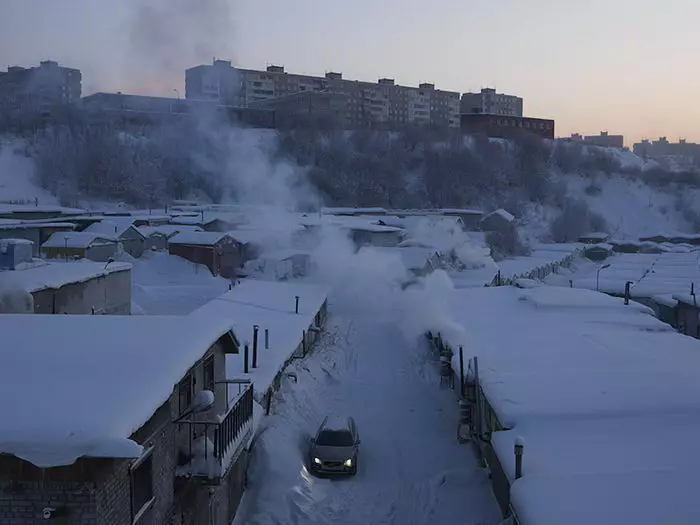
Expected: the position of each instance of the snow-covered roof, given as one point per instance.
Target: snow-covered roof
(111, 227)
(503, 214)
(77, 240)
(461, 211)
(271, 305)
(571, 373)
(168, 229)
(24, 208)
(97, 378)
(27, 225)
(56, 274)
(198, 238)
(651, 274)
(352, 211)
(623, 471)
(5, 242)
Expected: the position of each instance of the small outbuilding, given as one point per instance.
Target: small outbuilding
(131, 239)
(81, 245)
(218, 251)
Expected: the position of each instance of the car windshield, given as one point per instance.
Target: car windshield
(335, 438)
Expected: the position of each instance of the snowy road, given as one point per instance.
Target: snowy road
(411, 469)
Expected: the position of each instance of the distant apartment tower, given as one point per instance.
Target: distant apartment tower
(681, 153)
(220, 83)
(604, 140)
(491, 103)
(30, 90)
(383, 104)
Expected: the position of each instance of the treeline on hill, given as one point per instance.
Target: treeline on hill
(417, 168)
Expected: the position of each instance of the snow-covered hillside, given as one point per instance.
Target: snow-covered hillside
(629, 206)
(17, 182)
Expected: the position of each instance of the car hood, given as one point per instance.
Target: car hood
(325, 453)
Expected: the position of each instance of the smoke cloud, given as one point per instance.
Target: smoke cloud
(169, 36)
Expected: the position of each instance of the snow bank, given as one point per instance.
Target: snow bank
(104, 385)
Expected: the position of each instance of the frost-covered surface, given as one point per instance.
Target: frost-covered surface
(89, 396)
(270, 305)
(411, 468)
(651, 274)
(595, 388)
(43, 275)
(164, 284)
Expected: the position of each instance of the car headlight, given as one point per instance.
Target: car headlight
(348, 463)
(317, 461)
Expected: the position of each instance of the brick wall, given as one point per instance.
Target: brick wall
(26, 490)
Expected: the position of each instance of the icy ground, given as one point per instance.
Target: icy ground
(411, 468)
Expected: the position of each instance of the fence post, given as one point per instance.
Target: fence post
(461, 371)
(267, 339)
(255, 345)
(477, 399)
(245, 358)
(627, 292)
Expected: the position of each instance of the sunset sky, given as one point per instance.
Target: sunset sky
(626, 66)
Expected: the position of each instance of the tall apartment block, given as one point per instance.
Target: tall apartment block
(27, 90)
(489, 102)
(383, 104)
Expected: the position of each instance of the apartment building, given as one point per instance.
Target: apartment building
(220, 83)
(489, 102)
(383, 105)
(681, 154)
(31, 90)
(604, 140)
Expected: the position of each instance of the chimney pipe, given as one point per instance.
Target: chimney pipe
(519, 445)
(255, 346)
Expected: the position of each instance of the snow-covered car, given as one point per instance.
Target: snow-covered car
(335, 448)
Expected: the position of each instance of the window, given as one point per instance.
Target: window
(142, 485)
(208, 373)
(335, 438)
(185, 391)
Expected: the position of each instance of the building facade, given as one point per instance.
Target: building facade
(31, 90)
(383, 104)
(175, 480)
(604, 140)
(491, 103)
(681, 153)
(497, 126)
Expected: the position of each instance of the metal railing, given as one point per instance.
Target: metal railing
(227, 432)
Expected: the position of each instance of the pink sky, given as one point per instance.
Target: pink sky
(626, 66)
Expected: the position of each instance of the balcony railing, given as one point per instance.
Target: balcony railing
(211, 451)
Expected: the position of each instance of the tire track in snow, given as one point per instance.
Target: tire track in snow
(362, 367)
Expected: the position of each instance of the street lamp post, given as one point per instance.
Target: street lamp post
(597, 276)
